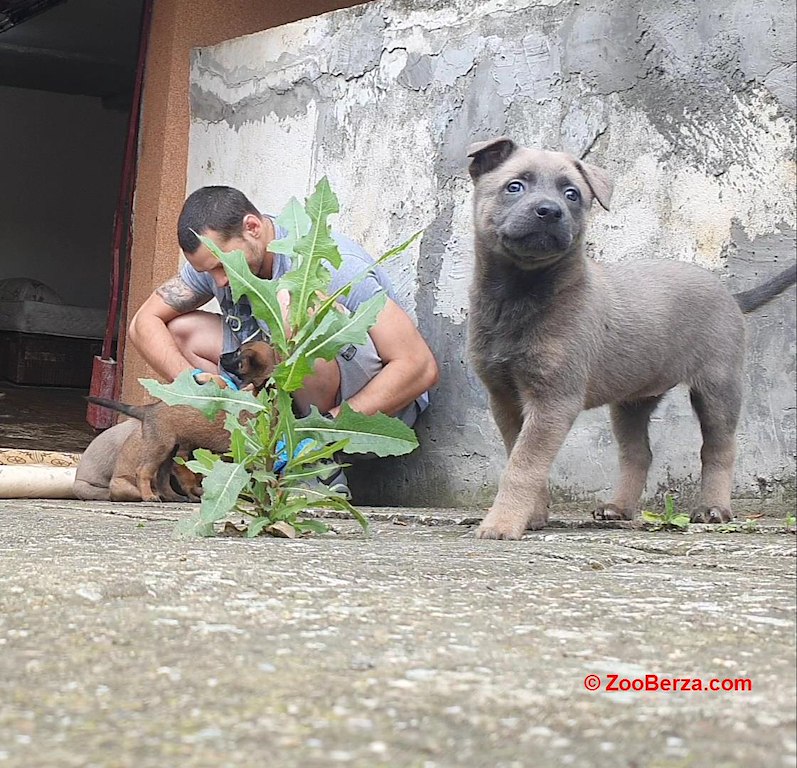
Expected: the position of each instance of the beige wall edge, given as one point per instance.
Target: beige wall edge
(177, 27)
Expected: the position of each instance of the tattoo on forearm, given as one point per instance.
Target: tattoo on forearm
(180, 296)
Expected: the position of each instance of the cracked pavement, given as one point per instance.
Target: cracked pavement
(412, 645)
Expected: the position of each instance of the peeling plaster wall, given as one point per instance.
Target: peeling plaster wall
(690, 106)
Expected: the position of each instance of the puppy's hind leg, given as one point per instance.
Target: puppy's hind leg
(717, 408)
(148, 472)
(160, 448)
(630, 426)
(123, 489)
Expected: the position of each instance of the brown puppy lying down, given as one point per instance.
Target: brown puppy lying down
(552, 332)
(144, 462)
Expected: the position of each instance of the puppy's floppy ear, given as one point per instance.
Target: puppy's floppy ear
(488, 155)
(598, 181)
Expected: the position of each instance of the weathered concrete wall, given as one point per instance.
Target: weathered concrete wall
(690, 106)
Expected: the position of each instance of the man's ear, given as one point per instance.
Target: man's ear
(487, 155)
(252, 224)
(598, 180)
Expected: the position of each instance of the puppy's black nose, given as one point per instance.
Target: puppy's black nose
(548, 210)
(230, 361)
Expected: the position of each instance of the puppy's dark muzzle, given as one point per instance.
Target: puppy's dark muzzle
(231, 362)
(537, 240)
(538, 227)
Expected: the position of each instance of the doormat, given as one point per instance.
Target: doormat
(17, 456)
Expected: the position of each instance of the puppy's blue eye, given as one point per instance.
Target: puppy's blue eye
(514, 187)
(572, 194)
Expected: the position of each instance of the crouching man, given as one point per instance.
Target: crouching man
(391, 373)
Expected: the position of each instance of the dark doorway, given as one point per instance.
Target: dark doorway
(66, 80)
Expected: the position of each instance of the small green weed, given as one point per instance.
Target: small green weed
(269, 475)
(750, 525)
(669, 520)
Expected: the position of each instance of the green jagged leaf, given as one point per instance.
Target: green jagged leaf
(257, 525)
(679, 521)
(651, 517)
(220, 490)
(318, 242)
(387, 255)
(310, 525)
(316, 452)
(344, 329)
(378, 434)
(331, 301)
(309, 274)
(260, 493)
(302, 497)
(304, 286)
(262, 295)
(669, 506)
(243, 444)
(202, 463)
(336, 331)
(308, 472)
(263, 476)
(284, 429)
(344, 504)
(290, 377)
(297, 223)
(287, 512)
(238, 442)
(327, 499)
(205, 457)
(208, 398)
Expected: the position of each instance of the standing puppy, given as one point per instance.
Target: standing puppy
(553, 332)
(143, 468)
(108, 469)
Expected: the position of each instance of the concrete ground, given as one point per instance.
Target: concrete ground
(412, 645)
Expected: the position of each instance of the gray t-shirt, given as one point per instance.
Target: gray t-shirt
(240, 324)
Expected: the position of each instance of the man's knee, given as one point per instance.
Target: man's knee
(198, 336)
(322, 389)
(182, 329)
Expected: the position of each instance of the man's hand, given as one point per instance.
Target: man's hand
(203, 377)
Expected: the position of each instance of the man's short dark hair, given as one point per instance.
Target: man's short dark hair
(221, 209)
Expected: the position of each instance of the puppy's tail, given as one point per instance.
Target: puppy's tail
(755, 297)
(137, 412)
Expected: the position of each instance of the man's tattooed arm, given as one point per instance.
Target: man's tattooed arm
(180, 296)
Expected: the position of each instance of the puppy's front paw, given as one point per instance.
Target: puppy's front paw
(612, 512)
(497, 532)
(706, 514)
(512, 527)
